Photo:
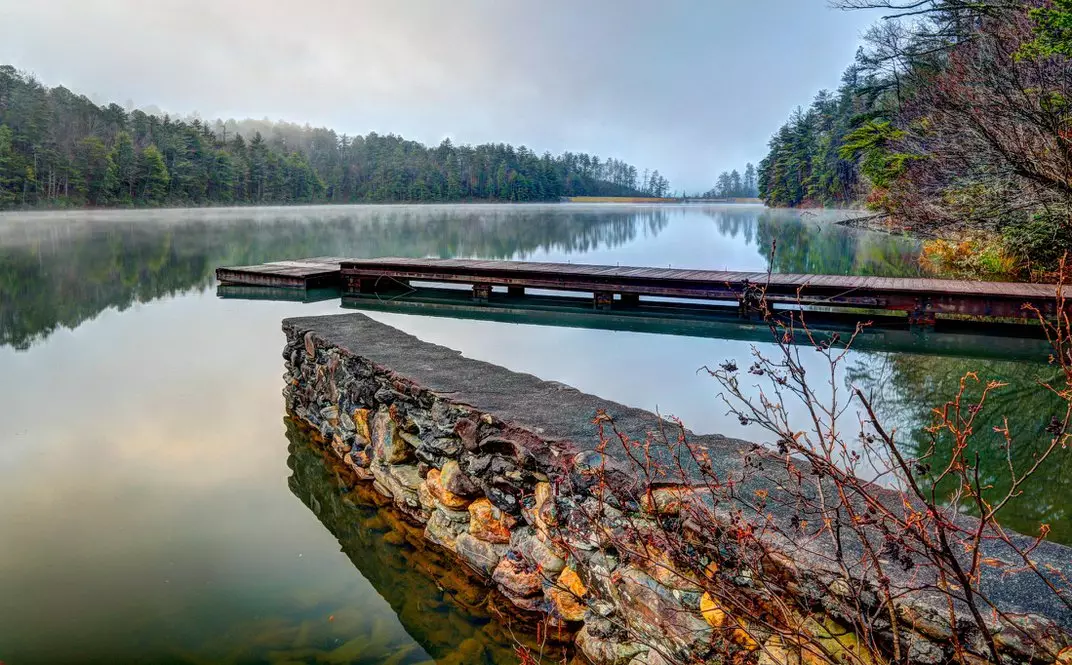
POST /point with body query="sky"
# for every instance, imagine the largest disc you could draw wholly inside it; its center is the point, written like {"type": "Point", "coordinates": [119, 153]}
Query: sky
{"type": "Point", "coordinates": [688, 87]}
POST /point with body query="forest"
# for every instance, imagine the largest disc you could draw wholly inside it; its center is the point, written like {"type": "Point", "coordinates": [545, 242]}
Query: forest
{"type": "Point", "coordinates": [58, 148]}
{"type": "Point", "coordinates": [733, 185]}
{"type": "Point", "coordinates": [954, 122]}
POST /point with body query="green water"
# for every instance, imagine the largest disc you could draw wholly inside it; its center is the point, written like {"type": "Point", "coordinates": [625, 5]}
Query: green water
{"type": "Point", "coordinates": [154, 506]}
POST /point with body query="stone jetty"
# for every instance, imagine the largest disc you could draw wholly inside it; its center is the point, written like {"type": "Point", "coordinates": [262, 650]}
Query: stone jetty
{"type": "Point", "coordinates": [501, 470]}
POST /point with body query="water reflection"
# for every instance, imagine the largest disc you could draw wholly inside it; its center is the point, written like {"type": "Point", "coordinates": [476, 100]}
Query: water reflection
{"type": "Point", "coordinates": [908, 388]}
{"type": "Point", "coordinates": [451, 616]}
{"type": "Point", "coordinates": [144, 511]}
{"type": "Point", "coordinates": [58, 270]}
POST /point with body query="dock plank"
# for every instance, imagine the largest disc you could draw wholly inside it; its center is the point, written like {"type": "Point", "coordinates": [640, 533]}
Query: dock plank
{"type": "Point", "coordinates": [919, 294]}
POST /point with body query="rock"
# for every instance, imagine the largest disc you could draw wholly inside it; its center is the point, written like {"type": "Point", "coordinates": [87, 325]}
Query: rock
{"type": "Point", "coordinates": [923, 651]}
{"type": "Point", "coordinates": [456, 516]}
{"type": "Point", "coordinates": [400, 483]}
{"type": "Point", "coordinates": [387, 445]}
{"type": "Point", "coordinates": [505, 498]}
{"type": "Point", "coordinates": [448, 499]}
{"type": "Point", "coordinates": [443, 531]}
{"type": "Point", "coordinates": [346, 423]}
{"type": "Point", "coordinates": [310, 345]}
{"type": "Point", "coordinates": [466, 430]}
{"type": "Point", "coordinates": [517, 578]}
{"type": "Point", "coordinates": [927, 621]}
{"type": "Point", "coordinates": [589, 462]}
{"type": "Point", "coordinates": [596, 570]}
{"type": "Point", "coordinates": [838, 642]}
{"type": "Point", "coordinates": [712, 612]}
{"type": "Point", "coordinates": [540, 514]}
{"type": "Point", "coordinates": [361, 457]}
{"type": "Point", "coordinates": [525, 543]}
{"type": "Point", "coordinates": [330, 415]}
{"type": "Point", "coordinates": [667, 500]}
{"type": "Point", "coordinates": [1027, 634]}
{"type": "Point", "coordinates": [1064, 657]}
{"type": "Point", "coordinates": [361, 472]}
{"type": "Point", "coordinates": [657, 615]}
{"type": "Point", "coordinates": [340, 445]}
{"type": "Point", "coordinates": [776, 652]}
{"type": "Point", "coordinates": [652, 657]}
{"type": "Point", "coordinates": [605, 652]}
{"type": "Point", "coordinates": [661, 567]}
{"type": "Point", "coordinates": [489, 523]}
{"type": "Point", "coordinates": [424, 495]}
{"type": "Point", "coordinates": [455, 481]}
{"type": "Point", "coordinates": [599, 626]}
{"type": "Point", "coordinates": [407, 476]}
{"type": "Point", "coordinates": [566, 604]}
{"type": "Point", "coordinates": [481, 555]}
{"type": "Point", "coordinates": [361, 424]}
{"type": "Point", "coordinates": [571, 581]}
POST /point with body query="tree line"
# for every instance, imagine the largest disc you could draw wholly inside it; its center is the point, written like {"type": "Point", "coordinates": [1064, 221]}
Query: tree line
{"type": "Point", "coordinates": [955, 124]}
{"type": "Point", "coordinates": [732, 185]}
{"type": "Point", "coordinates": [58, 148]}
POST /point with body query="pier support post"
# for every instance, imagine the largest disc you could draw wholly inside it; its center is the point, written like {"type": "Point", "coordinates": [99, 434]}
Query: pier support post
{"type": "Point", "coordinates": [481, 292]}
{"type": "Point", "coordinates": [922, 316]}
{"type": "Point", "coordinates": [358, 285]}
{"type": "Point", "coordinates": [603, 299]}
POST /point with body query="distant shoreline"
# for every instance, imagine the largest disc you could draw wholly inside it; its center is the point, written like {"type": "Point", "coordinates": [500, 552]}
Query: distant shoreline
{"type": "Point", "coordinates": [612, 200]}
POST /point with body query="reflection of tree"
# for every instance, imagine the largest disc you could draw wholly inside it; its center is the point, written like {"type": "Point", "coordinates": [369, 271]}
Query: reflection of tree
{"type": "Point", "coordinates": [60, 274]}
{"type": "Point", "coordinates": [451, 615]}
{"type": "Point", "coordinates": [911, 386]}
{"type": "Point", "coordinates": [809, 247]}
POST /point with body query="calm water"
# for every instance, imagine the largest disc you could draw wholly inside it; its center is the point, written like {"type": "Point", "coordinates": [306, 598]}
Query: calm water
{"type": "Point", "coordinates": [155, 507]}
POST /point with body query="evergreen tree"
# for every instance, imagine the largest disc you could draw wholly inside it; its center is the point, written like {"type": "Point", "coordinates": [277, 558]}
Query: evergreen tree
{"type": "Point", "coordinates": [153, 178]}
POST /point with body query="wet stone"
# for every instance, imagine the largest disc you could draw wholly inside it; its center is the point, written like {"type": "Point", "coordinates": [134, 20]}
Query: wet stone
{"type": "Point", "coordinates": [489, 523]}
{"type": "Point", "coordinates": [607, 652]}
{"type": "Point", "coordinates": [517, 578]}
{"type": "Point", "coordinates": [447, 499]}
{"type": "Point", "coordinates": [481, 555]}
{"type": "Point", "coordinates": [443, 531]}
{"type": "Point", "coordinates": [387, 445]}
{"type": "Point", "coordinates": [455, 480]}
{"type": "Point", "coordinates": [525, 543]}
{"type": "Point", "coordinates": [466, 431]}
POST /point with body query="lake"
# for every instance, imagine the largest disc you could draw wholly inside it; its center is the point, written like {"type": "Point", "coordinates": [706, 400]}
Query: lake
{"type": "Point", "coordinates": [156, 507]}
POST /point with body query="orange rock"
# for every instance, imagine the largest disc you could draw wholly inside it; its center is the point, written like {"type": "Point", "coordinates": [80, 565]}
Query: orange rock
{"type": "Point", "coordinates": [712, 612]}
{"type": "Point", "coordinates": [571, 581]}
{"type": "Point", "coordinates": [361, 417]}
{"type": "Point", "coordinates": [566, 604]}
{"type": "Point", "coordinates": [743, 638]}
{"type": "Point", "coordinates": [1064, 657]}
{"type": "Point", "coordinates": [445, 498]}
{"type": "Point", "coordinates": [487, 522]}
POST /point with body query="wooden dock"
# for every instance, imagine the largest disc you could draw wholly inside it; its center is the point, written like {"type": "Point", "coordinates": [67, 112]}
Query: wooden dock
{"type": "Point", "coordinates": [318, 272]}
{"type": "Point", "coordinates": [613, 287]}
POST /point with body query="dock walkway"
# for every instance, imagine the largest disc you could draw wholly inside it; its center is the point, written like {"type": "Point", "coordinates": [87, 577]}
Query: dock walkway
{"type": "Point", "coordinates": [623, 286]}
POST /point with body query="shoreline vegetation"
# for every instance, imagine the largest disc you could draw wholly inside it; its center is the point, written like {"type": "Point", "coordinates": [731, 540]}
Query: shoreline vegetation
{"type": "Point", "coordinates": [58, 149]}
{"type": "Point", "coordinates": [954, 124]}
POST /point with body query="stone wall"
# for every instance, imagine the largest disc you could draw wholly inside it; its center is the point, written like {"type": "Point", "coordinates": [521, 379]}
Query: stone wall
{"type": "Point", "coordinates": [509, 474]}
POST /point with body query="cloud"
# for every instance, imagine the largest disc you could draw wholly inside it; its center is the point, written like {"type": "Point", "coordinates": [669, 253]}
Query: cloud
{"type": "Point", "coordinates": [689, 88]}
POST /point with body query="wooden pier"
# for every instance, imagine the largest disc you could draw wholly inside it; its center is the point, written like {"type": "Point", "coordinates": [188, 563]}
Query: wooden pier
{"type": "Point", "coordinates": [614, 287]}
{"type": "Point", "coordinates": [319, 272]}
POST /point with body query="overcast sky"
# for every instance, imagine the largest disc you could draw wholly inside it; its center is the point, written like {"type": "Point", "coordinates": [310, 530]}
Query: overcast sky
{"type": "Point", "coordinates": [689, 87]}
